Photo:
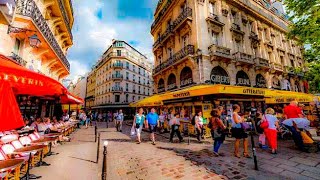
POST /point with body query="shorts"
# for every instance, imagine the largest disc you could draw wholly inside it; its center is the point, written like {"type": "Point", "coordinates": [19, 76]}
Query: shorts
{"type": "Point", "coordinates": [238, 133]}
{"type": "Point", "coordinates": [152, 128]}
{"type": "Point", "coordinates": [138, 130]}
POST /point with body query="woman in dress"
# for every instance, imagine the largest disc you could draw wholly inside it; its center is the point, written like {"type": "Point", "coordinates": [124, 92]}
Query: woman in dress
{"type": "Point", "coordinates": [138, 122]}
{"type": "Point", "coordinates": [238, 132]}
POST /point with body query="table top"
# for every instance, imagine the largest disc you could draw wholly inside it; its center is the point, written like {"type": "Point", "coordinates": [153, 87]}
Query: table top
{"type": "Point", "coordinates": [25, 131]}
{"type": "Point", "coordinates": [52, 134]}
{"type": "Point", "coordinates": [29, 149]}
{"type": "Point", "coordinates": [10, 164]}
{"type": "Point", "coordinates": [46, 139]}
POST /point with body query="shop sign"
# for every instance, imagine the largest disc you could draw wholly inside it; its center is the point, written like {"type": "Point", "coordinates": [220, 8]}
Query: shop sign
{"type": "Point", "coordinates": [172, 86]}
{"type": "Point", "coordinates": [181, 95]}
{"type": "Point", "coordinates": [186, 82]}
{"type": "Point", "coordinates": [260, 81]}
{"type": "Point", "coordinates": [275, 83]}
{"type": "Point", "coordinates": [219, 76]}
{"type": "Point", "coordinates": [254, 91]}
{"type": "Point", "coordinates": [21, 80]}
{"type": "Point", "coordinates": [242, 79]}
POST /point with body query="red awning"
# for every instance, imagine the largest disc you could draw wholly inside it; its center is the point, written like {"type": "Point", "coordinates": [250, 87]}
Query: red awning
{"type": "Point", "coordinates": [10, 117]}
{"type": "Point", "coordinates": [71, 99]}
{"type": "Point", "coordinates": [24, 81]}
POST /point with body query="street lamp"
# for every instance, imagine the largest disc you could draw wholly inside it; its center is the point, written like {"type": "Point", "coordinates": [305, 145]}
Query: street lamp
{"type": "Point", "coordinates": [34, 41]}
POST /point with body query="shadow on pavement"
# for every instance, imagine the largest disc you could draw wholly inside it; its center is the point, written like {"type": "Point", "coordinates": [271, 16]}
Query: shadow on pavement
{"type": "Point", "coordinates": [83, 159]}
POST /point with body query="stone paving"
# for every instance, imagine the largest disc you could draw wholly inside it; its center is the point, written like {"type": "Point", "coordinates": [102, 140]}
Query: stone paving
{"type": "Point", "coordinates": [128, 160]}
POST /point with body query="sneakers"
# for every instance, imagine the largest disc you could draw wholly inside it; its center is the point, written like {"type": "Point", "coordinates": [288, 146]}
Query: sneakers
{"type": "Point", "coordinates": [153, 143]}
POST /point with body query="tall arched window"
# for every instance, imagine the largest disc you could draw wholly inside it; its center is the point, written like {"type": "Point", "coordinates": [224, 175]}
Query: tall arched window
{"type": "Point", "coordinates": [172, 82]}
{"type": "Point", "coordinates": [186, 77]}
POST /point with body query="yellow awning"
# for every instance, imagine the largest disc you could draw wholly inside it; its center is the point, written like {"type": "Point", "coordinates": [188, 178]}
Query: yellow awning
{"type": "Point", "coordinates": [277, 96]}
{"type": "Point", "coordinates": [148, 101]}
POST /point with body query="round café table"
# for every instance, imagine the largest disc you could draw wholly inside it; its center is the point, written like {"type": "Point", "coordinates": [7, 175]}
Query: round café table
{"type": "Point", "coordinates": [52, 135]}
{"type": "Point", "coordinates": [9, 164]}
{"type": "Point", "coordinates": [46, 140]}
{"type": "Point", "coordinates": [30, 149]}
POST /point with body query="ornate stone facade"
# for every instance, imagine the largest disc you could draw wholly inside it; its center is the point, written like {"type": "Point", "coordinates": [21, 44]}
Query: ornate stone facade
{"type": "Point", "coordinates": [246, 39]}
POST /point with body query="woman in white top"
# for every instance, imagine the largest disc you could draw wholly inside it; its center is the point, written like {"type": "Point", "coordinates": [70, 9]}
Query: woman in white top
{"type": "Point", "coordinates": [199, 125]}
{"type": "Point", "coordinates": [271, 131]}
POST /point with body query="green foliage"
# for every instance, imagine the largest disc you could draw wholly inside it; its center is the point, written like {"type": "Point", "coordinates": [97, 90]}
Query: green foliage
{"type": "Point", "coordinates": [305, 15]}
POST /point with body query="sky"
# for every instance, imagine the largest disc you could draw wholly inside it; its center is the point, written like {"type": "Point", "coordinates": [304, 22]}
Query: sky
{"type": "Point", "coordinates": [97, 22]}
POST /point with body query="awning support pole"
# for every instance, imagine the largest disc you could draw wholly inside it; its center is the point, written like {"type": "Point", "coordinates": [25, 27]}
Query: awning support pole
{"type": "Point", "coordinates": [69, 111]}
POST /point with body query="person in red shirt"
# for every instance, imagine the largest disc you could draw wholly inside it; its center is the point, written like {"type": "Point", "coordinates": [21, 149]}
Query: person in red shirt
{"type": "Point", "coordinates": [292, 111]}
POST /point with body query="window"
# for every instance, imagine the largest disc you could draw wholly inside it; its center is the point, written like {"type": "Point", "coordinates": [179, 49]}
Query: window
{"type": "Point", "coordinates": [17, 46]}
{"type": "Point", "coordinates": [138, 97]}
{"type": "Point", "coordinates": [139, 70]}
{"type": "Point", "coordinates": [116, 98]}
{"type": "Point", "coordinates": [185, 40]}
{"type": "Point", "coordinates": [170, 52]}
{"type": "Point", "coordinates": [127, 65]}
{"type": "Point", "coordinates": [160, 59]}
{"type": "Point", "coordinates": [211, 8]}
{"type": "Point", "coordinates": [282, 60]}
{"type": "Point", "coordinates": [183, 6]}
{"type": "Point", "coordinates": [117, 84]}
{"type": "Point", "coordinates": [134, 78]}
{"type": "Point", "coordinates": [139, 89]}
{"type": "Point", "coordinates": [238, 46]}
{"type": "Point", "coordinates": [133, 98]}
{"type": "Point", "coordinates": [139, 80]}
{"type": "Point", "coordinates": [215, 38]}
{"type": "Point", "coordinates": [133, 88]}
{"type": "Point", "coordinates": [127, 87]}
{"type": "Point", "coordinates": [144, 81]}
{"type": "Point", "coordinates": [118, 52]}
{"type": "Point", "coordinates": [127, 97]}
{"type": "Point", "coordinates": [251, 26]}
{"type": "Point", "coordinates": [118, 44]}
{"type": "Point", "coordinates": [292, 62]}
{"type": "Point", "coordinates": [134, 68]}
{"type": "Point", "coordinates": [270, 56]}
{"type": "Point", "coordinates": [233, 17]}
{"type": "Point", "coordinates": [127, 75]}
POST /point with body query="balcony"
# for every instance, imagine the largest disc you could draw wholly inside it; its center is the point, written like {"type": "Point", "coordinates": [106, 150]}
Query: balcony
{"type": "Point", "coordinates": [15, 57]}
{"type": "Point", "coordinates": [116, 89]}
{"type": "Point", "coordinates": [277, 67]}
{"type": "Point", "coordinates": [243, 58]}
{"type": "Point", "coordinates": [213, 18]}
{"type": "Point", "coordinates": [117, 65]}
{"type": "Point", "coordinates": [155, 45]}
{"type": "Point", "coordinates": [236, 28]}
{"type": "Point", "coordinates": [220, 51]}
{"type": "Point", "coordinates": [65, 17]}
{"type": "Point", "coordinates": [184, 52]}
{"type": "Point", "coordinates": [262, 63]}
{"type": "Point", "coordinates": [117, 76]}
{"type": "Point", "coordinates": [29, 9]}
{"type": "Point", "coordinates": [254, 37]}
{"type": "Point", "coordinates": [168, 33]}
{"type": "Point", "coordinates": [161, 14]}
{"type": "Point", "coordinates": [185, 15]}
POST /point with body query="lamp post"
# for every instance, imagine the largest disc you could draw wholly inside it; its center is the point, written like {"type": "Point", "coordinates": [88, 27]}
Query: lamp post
{"type": "Point", "coordinates": [199, 59]}
{"type": "Point", "coordinates": [34, 40]}
{"type": "Point", "coordinates": [104, 162]}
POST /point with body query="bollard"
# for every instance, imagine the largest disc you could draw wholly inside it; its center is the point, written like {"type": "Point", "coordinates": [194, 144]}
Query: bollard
{"type": "Point", "coordinates": [254, 152]}
{"type": "Point", "coordinates": [98, 146]}
{"type": "Point", "coordinates": [107, 123]}
{"type": "Point", "coordinates": [104, 162]}
{"type": "Point", "coordinates": [95, 133]}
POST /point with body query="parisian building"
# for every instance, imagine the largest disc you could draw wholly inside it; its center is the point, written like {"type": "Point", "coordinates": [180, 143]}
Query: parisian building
{"type": "Point", "coordinates": [91, 89]}
{"type": "Point", "coordinates": [230, 42]}
{"type": "Point", "coordinates": [37, 34]}
{"type": "Point", "coordinates": [123, 75]}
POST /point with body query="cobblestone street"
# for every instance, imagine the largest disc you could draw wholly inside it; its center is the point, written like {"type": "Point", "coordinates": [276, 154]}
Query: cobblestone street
{"type": "Point", "coordinates": [128, 160]}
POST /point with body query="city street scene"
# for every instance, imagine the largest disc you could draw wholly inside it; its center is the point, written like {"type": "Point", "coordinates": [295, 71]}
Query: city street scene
{"type": "Point", "coordinates": [160, 89]}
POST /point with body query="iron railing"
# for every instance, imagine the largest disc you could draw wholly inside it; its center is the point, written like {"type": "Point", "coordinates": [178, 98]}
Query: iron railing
{"type": "Point", "coordinates": [186, 13]}
{"type": "Point", "coordinates": [18, 59]}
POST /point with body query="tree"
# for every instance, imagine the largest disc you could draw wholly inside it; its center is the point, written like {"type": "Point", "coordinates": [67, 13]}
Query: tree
{"type": "Point", "coordinates": [305, 18]}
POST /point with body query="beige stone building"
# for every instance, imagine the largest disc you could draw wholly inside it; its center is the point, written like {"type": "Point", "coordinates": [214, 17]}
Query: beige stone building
{"type": "Point", "coordinates": [37, 34]}
{"type": "Point", "coordinates": [91, 89]}
{"type": "Point", "coordinates": [233, 42]}
{"type": "Point", "coordinates": [123, 75]}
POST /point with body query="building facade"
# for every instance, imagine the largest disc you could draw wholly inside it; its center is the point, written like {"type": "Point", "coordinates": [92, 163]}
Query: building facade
{"type": "Point", "coordinates": [37, 35]}
{"type": "Point", "coordinates": [123, 75]}
{"type": "Point", "coordinates": [79, 88]}
{"type": "Point", "coordinates": [232, 42]}
{"type": "Point", "coordinates": [91, 89]}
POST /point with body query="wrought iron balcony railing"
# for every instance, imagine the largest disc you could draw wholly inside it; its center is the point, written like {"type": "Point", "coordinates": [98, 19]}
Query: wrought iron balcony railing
{"type": "Point", "coordinates": [186, 13]}
{"type": "Point", "coordinates": [117, 65]}
{"type": "Point", "coordinates": [187, 50]}
{"type": "Point", "coordinates": [29, 9]}
{"type": "Point", "coordinates": [277, 67]}
{"type": "Point", "coordinates": [65, 17]}
{"type": "Point", "coordinates": [219, 51]}
{"type": "Point", "coordinates": [117, 76]}
{"type": "Point", "coordinates": [117, 89]}
{"type": "Point", "coordinates": [18, 59]}
{"type": "Point", "coordinates": [161, 14]}
{"type": "Point", "coordinates": [262, 62]}
{"type": "Point", "coordinates": [243, 57]}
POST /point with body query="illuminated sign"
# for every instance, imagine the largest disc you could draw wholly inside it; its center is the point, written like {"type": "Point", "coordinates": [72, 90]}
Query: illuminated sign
{"type": "Point", "coordinates": [21, 80]}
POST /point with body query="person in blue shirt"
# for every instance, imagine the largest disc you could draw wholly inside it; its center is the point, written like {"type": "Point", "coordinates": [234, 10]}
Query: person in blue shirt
{"type": "Point", "coordinates": [152, 123]}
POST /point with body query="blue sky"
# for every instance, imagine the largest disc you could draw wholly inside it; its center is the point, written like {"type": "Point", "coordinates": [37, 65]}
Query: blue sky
{"type": "Point", "coordinates": [97, 22]}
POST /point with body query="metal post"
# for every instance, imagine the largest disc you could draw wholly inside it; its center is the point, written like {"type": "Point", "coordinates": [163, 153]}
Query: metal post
{"type": "Point", "coordinates": [254, 152]}
{"type": "Point", "coordinates": [95, 133]}
{"type": "Point", "coordinates": [98, 146]}
{"type": "Point", "coordinates": [104, 162]}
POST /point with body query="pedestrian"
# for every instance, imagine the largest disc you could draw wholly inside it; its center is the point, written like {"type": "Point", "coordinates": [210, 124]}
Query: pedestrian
{"type": "Point", "coordinates": [109, 116]}
{"type": "Point", "coordinates": [100, 116]}
{"type": "Point", "coordinates": [152, 123]}
{"type": "Point", "coordinates": [104, 116]}
{"type": "Point", "coordinates": [161, 119]}
{"type": "Point", "coordinates": [238, 132]}
{"type": "Point", "coordinates": [119, 120]}
{"type": "Point", "coordinates": [271, 131]}
{"type": "Point", "coordinates": [138, 122]}
{"type": "Point", "coordinates": [87, 119]}
{"type": "Point", "coordinates": [175, 125]}
{"type": "Point", "coordinates": [199, 125]}
{"type": "Point", "coordinates": [260, 131]}
{"type": "Point", "coordinates": [217, 131]}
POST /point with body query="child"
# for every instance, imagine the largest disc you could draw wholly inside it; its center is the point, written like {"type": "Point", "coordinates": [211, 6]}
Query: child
{"type": "Point", "coordinates": [262, 136]}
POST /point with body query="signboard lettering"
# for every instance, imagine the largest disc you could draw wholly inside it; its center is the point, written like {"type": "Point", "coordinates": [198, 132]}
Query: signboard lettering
{"type": "Point", "coordinates": [254, 91]}
{"type": "Point", "coordinates": [243, 79]}
{"type": "Point", "coordinates": [186, 82]}
{"type": "Point", "coordinates": [260, 81]}
{"type": "Point", "coordinates": [21, 80]}
{"type": "Point", "coordinates": [180, 95]}
{"type": "Point", "coordinates": [217, 79]}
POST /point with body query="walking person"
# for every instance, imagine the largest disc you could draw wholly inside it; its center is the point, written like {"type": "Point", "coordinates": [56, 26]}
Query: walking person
{"type": "Point", "coordinates": [217, 131]}
{"type": "Point", "coordinates": [87, 120]}
{"type": "Point", "coordinates": [152, 123]}
{"type": "Point", "coordinates": [238, 132]}
{"type": "Point", "coordinates": [109, 116]}
{"type": "Point", "coordinates": [199, 125]}
{"type": "Point", "coordinates": [119, 120]}
{"type": "Point", "coordinates": [260, 131]}
{"type": "Point", "coordinates": [138, 122]}
{"type": "Point", "coordinates": [161, 119]}
{"type": "Point", "coordinates": [271, 131]}
{"type": "Point", "coordinates": [175, 124]}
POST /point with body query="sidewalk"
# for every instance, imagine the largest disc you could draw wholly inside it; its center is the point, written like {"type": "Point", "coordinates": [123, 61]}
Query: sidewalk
{"type": "Point", "coordinates": [128, 160]}
{"type": "Point", "coordinates": [74, 160]}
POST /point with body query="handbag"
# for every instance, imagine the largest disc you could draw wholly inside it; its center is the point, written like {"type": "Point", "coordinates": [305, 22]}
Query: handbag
{"type": "Point", "coordinates": [245, 126]}
{"type": "Point", "coordinates": [133, 131]}
{"type": "Point", "coordinates": [264, 124]}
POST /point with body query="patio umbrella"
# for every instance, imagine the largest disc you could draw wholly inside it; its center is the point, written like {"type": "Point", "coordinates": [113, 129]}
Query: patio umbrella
{"type": "Point", "coordinates": [10, 117]}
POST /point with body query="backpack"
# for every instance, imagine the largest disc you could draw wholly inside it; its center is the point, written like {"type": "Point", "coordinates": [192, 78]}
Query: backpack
{"type": "Point", "coordinates": [193, 120]}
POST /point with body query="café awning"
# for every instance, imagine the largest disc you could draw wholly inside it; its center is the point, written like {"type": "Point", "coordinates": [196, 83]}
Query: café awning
{"type": "Point", "coordinates": [71, 99]}
{"type": "Point", "coordinates": [10, 117]}
{"type": "Point", "coordinates": [27, 82]}
{"type": "Point", "coordinates": [148, 102]}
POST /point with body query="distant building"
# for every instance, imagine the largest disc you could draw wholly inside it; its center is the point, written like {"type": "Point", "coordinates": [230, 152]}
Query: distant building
{"type": "Point", "coordinates": [79, 88]}
{"type": "Point", "coordinates": [91, 89]}
{"type": "Point", "coordinates": [123, 75]}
